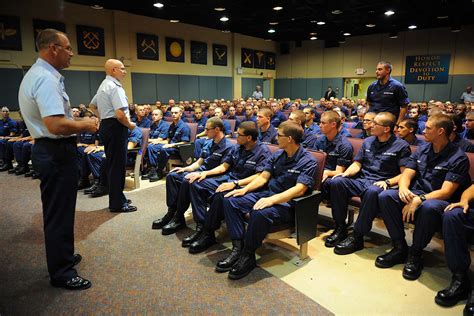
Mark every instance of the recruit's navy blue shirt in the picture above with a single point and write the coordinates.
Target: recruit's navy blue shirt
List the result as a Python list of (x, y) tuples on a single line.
[(251, 119), (278, 118), (214, 153), (416, 142), (381, 161), (312, 129), (432, 169), (244, 163), (464, 144), (227, 129), (135, 136), (201, 123), (362, 134), (269, 136), (8, 126), (286, 171), (179, 132), (339, 151), (389, 97), (159, 130), (145, 122)]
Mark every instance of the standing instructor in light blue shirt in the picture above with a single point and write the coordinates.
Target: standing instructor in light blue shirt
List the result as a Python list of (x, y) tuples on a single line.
[(46, 110), (112, 105)]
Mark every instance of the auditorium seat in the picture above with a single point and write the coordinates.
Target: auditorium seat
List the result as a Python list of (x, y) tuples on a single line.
[(186, 151), (354, 131), (140, 155)]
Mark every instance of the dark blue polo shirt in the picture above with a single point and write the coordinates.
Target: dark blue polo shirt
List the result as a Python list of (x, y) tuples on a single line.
[(244, 163), (145, 122), (387, 98), (432, 169), (287, 171), (268, 137), (278, 118), (8, 126), (201, 123), (159, 130), (339, 151), (135, 136), (214, 153), (464, 144), (312, 129), (227, 129), (252, 119), (381, 161), (362, 134), (179, 132), (87, 137)]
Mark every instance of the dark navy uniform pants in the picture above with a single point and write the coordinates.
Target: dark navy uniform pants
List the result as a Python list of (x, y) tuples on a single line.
[(457, 227), (202, 194), (260, 222), (22, 152), (115, 137), (177, 192), (6, 150), (342, 189), (428, 218), (158, 156), (55, 163)]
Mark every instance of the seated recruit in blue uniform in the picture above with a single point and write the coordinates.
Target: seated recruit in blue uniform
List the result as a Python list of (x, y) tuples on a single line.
[(267, 134), (387, 94), (239, 167), (310, 126), (249, 115), (462, 143), (8, 126), (199, 119), (227, 130), (8, 150), (287, 174), (278, 116), (435, 175), (376, 166), (232, 116), (406, 130), (141, 119), (367, 123), (177, 181), (159, 127), (85, 140), (457, 226)]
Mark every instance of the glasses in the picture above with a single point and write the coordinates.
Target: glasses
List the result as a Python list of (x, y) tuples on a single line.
[(367, 121), (209, 128), (375, 123), (281, 135), (67, 48), (238, 134)]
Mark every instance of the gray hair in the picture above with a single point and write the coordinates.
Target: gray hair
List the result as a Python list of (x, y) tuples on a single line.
[(47, 37)]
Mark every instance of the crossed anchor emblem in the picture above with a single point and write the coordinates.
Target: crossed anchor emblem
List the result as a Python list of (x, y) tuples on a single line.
[(247, 57), (91, 40), (220, 56), (4, 32), (148, 46)]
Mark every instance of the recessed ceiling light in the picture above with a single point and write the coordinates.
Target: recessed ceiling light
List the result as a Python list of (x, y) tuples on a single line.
[(174, 21), (321, 23), (97, 7), (313, 38), (225, 31), (442, 17), (347, 34), (224, 19), (389, 12), (277, 8), (393, 35), (336, 12), (455, 29), (292, 19), (370, 25), (273, 23), (159, 5), (219, 9), (313, 33), (313, 21), (271, 31), (412, 27)]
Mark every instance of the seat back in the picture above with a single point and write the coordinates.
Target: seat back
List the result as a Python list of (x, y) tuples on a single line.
[(350, 124), (471, 165), (413, 148), (356, 144), (189, 119), (232, 124), (318, 176), (193, 127), (240, 117), (145, 137), (354, 131), (168, 118)]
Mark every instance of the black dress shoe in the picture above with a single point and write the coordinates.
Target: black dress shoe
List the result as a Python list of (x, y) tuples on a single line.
[(83, 184), (29, 173), (21, 170), (100, 191), (76, 283), (34, 175), (349, 245), (459, 289), (155, 177), (159, 223), (206, 240), (91, 189), (177, 223), (469, 308), (147, 175), (188, 240), (13, 170), (77, 258), (339, 234), (126, 208), (6, 167), (413, 267), (397, 255), (243, 266), (226, 264)]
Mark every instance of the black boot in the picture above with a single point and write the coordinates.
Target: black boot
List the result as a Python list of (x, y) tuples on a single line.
[(177, 223), (92, 188), (243, 266), (101, 190), (353, 243), (159, 223), (414, 265), (206, 240), (12, 169), (157, 175), (188, 240), (339, 234), (146, 175), (227, 263), (83, 183), (29, 173), (397, 255), (469, 308), (459, 289), (21, 170), (6, 166)]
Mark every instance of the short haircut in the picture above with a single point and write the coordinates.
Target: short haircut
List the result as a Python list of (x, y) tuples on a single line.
[(6, 109), (266, 112), (300, 116), (159, 111), (470, 114), (198, 108), (445, 121), (47, 37), (313, 110), (177, 107), (332, 116), (411, 123), (388, 119), (295, 131), (386, 64), (457, 120), (249, 129), (216, 122)]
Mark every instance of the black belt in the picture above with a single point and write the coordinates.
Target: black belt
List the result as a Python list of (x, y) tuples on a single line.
[(72, 139)]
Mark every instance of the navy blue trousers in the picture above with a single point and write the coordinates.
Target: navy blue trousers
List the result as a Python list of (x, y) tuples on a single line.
[(55, 163), (201, 195), (22, 152), (158, 156), (177, 192)]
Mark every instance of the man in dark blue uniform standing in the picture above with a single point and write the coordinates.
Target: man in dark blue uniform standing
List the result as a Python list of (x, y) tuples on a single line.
[(387, 94), (45, 106), (112, 104)]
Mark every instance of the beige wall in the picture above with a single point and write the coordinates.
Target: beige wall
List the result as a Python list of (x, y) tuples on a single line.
[(120, 30), (312, 60)]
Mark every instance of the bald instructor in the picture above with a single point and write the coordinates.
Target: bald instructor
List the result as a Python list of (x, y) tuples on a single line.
[(112, 105), (46, 110)]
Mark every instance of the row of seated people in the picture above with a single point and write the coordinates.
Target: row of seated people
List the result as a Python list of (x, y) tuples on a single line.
[(245, 183)]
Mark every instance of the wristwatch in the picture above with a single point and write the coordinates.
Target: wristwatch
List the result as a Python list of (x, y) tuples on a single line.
[(387, 182), (236, 182), (422, 197)]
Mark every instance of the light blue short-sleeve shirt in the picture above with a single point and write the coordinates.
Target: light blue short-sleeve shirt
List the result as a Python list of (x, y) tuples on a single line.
[(110, 97), (42, 94)]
